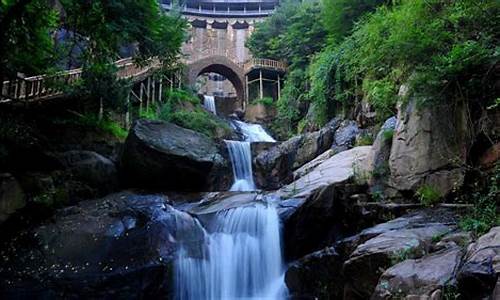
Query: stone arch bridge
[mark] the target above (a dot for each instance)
(241, 75)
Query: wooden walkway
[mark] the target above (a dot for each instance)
(44, 87)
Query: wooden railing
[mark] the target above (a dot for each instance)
(263, 63)
(43, 87)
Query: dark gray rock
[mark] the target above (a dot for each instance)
(423, 278)
(316, 276)
(376, 249)
(345, 136)
(90, 167)
(381, 151)
(275, 166)
(481, 268)
(166, 156)
(118, 247)
(429, 148)
(12, 196)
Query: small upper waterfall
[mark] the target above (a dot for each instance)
(209, 104)
(254, 132)
(242, 258)
(241, 160)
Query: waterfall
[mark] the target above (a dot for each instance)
(209, 104)
(242, 258)
(254, 132)
(241, 160)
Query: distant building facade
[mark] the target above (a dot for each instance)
(220, 27)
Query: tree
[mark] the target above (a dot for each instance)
(339, 16)
(26, 45)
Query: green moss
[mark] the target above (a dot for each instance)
(428, 195)
(388, 134)
(365, 140)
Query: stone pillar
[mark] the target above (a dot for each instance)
(261, 84)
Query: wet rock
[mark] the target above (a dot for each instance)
(381, 152)
(90, 167)
(395, 241)
(419, 278)
(119, 247)
(12, 196)
(325, 193)
(316, 276)
(429, 148)
(166, 156)
(345, 136)
(275, 166)
(481, 268)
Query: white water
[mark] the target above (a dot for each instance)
(242, 258)
(241, 160)
(209, 104)
(254, 132)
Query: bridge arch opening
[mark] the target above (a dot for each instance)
(222, 66)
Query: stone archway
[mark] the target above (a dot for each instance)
(220, 65)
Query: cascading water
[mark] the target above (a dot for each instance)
(254, 132)
(242, 258)
(241, 160)
(209, 104)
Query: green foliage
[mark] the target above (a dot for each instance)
(442, 50)
(428, 195)
(267, 101)
(388, 134)
(52, 198)
(106, 125)
(484, 213)
(292, 34)
(26, 44)
(365, 140)
(339, 16)
(183, 108)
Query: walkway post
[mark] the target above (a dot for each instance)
(153, 88)
(247, 92)
(160, 88)
(279, 87)
(261, 85)
(127, 114)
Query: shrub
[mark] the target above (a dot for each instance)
(267, 101)
(484, 215)
(428, 195)
(388, 134)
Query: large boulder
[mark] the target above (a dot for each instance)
(325, 193)
(424, 278)
(429, 148)
(165, 156)
(12, 196)
(119, 247)
(275, 166)
(480, 271)
(316, 276)
(408, 239)
(90, 167)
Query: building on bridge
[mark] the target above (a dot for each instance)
(219, 64)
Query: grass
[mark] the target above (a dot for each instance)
(364, 140)
(428, 195)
